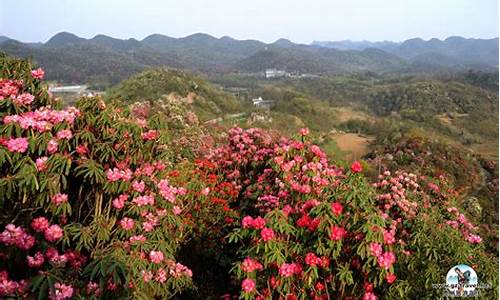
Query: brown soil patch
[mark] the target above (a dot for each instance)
(354, 144)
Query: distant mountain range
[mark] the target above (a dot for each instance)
(107, 60)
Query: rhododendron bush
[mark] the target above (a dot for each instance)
(107, 200)
(87, 206)
(310, 229)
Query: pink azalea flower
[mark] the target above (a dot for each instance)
(146, 275)
(337, 208)
(144, 200)
(304, 131)
(312, 260)
(161, 276)
(119, 202)
(38, 73)
(23, 99)
(389, 237)
(64, 134)
(59, 199)
(17, 145)
(150, 135)
(267, 234)
(249, 265)
(376, 249)
(52, 146)
(247, 222)
(259, 223)
(40, 224)
(127, 223)
(176, 210)
(248, 285)
(156, 256)
(35, 261)
(369, 296)
(53, 233)
(338, 233)
(61, 292)
(386, 260)
(138, 186)
(137, 238)
(356, 167)
(41, 163)
(390, 278)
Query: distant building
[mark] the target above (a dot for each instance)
(261, 103)
(273, 73)
(77, 89)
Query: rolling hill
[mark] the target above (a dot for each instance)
(106, 60)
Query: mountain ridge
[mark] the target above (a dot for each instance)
(204, 53)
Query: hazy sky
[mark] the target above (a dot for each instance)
(267, 20)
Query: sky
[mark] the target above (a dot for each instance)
(300, 21)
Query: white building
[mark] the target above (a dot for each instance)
(261, 103)
(273, 73)
(78, 89)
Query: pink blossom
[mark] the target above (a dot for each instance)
(474, 239)
(23, 99)
(127, 223)
(376, 249)
(137, 238)
(167, 191)
(369, 296)
(40, 224)
(176, 210)
(35, 261)
(337, 208)
(146, 275)
(205, 191)
(41, 163)
(59, 199)
(119, 202)
(52, 146)
(116, 174)
(267, 234)
(390, 278)
(338, 233)
(179, 269)
(259, 223)
(247, 222)
(312, 260)
(356, 167)
(156, 256)
(150, 135)
(249, 265)
(287, 270)
(248, 285)
(386, 260)
(53, 233)
(61, 292)
(161, 275)
(14, 235)
(138, 186)
(64, 134)
(304, 131)
(389, 237)
(38, 73)
(17, 145)
(144, 200)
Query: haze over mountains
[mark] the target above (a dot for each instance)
(69, 58)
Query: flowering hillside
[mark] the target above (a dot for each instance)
(109, 200)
